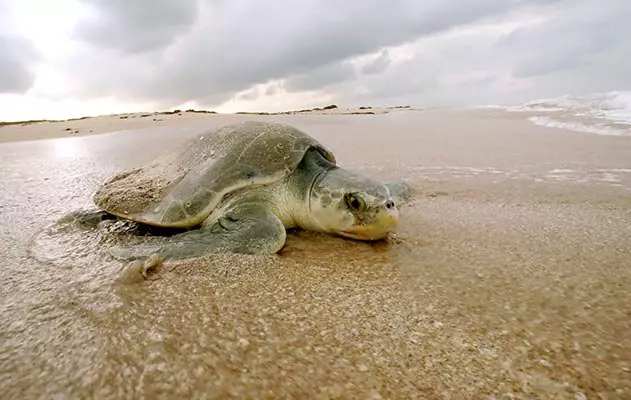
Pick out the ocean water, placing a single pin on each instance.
(606, 113)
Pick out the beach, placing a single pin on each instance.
(510, 276)
(85, 126)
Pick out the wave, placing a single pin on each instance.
(606, 113)
(597, 128)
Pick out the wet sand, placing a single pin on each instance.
(510, 276)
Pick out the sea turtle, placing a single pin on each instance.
(237, 188)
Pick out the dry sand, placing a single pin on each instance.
(510, 276)
(32, 130)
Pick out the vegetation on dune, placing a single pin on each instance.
(22, 123)
(191, 110)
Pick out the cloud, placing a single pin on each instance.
(378, 65)
(238, 53)
(560, 48)
(250, 94)
(321, 78)
(209, 52)
(570, 39)
(17, 55)
(272, 90)
(135, 26)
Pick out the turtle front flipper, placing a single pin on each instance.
(246, 229)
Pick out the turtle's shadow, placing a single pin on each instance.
(102, 219)
(96, 231)
(302, 241)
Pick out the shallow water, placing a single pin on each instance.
(598, 113)
(504, 279)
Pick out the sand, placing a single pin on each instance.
(29, 130)
(510, 276)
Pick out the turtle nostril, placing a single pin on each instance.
(389, 204)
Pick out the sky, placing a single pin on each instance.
(70, 58)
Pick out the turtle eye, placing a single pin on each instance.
(354, 202)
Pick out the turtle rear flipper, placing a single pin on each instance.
(246, 229)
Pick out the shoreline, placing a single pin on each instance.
(16, 131)
(22, 131)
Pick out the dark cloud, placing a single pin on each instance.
(320, 78)
(378, 65)
(251, 94)
(577, 35)
(136, 26)
(16, 57)
(271, 90)
(232, 45)
(572, 47)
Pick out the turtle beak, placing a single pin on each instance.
(383, 225)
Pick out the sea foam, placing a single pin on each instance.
(598, 113)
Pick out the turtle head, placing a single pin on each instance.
(351, 205)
